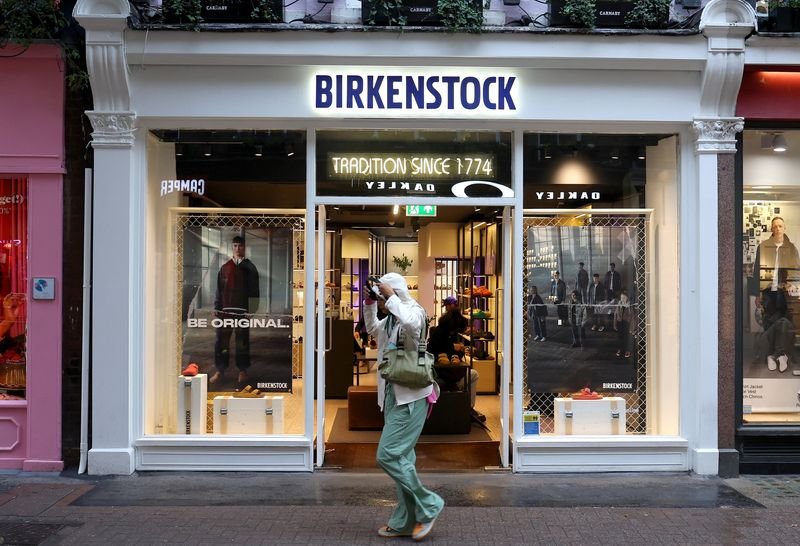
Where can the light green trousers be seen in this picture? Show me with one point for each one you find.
(401, 429)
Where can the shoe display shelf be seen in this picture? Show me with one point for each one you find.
(476, 293)
(444, 282)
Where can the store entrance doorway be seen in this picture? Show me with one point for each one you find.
(452, 264)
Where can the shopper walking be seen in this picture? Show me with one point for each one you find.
(404, 410)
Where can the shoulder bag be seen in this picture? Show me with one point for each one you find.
(412, 369)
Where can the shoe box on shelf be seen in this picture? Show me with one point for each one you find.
(192, 394)
(258, 415)
(590, 417)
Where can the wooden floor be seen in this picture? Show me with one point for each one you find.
(454, 452)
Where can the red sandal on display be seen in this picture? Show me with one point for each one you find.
(191, 370)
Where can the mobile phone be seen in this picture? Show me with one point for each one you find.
(372, 287)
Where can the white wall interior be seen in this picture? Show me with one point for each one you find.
(410, 249)
(160, 356)
(765, 167)
(664, 314)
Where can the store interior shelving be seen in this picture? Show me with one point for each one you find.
(477, 286)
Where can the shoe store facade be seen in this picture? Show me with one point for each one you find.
(767, 413)
(31, 181)
(599, 159)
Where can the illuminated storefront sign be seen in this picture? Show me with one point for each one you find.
(417, 174)
(427, 93)
(410, 166)
(194, 185)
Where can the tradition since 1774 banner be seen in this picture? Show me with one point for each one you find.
(236, 314)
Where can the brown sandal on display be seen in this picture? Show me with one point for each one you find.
(442, 359)
(455, 361)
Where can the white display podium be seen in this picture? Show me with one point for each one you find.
(589, 417)
(262, 415)
(192, 404)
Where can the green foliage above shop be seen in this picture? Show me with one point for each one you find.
(460, 15)
(648, 14)
(24, 22)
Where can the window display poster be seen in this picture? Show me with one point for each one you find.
(771, 369)
(236, 312)
(13, 286)
(581, 327)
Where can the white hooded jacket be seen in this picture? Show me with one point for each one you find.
(409, 315)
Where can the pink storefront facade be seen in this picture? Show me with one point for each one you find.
(31, 211)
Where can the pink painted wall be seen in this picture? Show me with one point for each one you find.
(32, 110)
(32, 145)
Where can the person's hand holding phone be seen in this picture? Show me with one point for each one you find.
(371, 291)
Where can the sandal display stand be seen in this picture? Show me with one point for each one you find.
(261, 415)
(594, 417)
(192, 396)
(477, 289)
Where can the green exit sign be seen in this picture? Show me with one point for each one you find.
(420, 210)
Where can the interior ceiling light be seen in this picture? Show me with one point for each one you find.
(641, 154)
(207, 151)
(547, 154)
(779, 143)
(179, 150)
(614, 154)
(396, 210)
(259, 152)
(289, 149)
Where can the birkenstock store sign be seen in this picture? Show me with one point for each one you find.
(433, 92)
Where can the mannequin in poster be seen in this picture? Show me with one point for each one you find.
(613, 281)
(775, 343)
(577, 319)
(597, 296)
(237, 295)
(582, 281)
(774, 253)
(558, 294)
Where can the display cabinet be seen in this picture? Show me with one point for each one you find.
(477, 285)
(444, 282)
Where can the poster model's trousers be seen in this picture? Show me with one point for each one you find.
(222, 346)
(401, 429)
(777, 340)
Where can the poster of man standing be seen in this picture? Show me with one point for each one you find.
(237, 306)
(581, 343)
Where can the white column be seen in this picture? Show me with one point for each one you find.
(111, 447)
(116, 331)
(725, 24)
(700, 285)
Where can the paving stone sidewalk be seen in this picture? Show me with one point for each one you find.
(347, 508)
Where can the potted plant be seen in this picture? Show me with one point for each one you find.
(648, 14)
(384, 12)
(460, 15)
(784, 15)
(194, 12)
(402, 263)
(577, 13)
(590, 13)
(454, 14)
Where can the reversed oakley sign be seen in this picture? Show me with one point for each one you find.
(395, 92)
